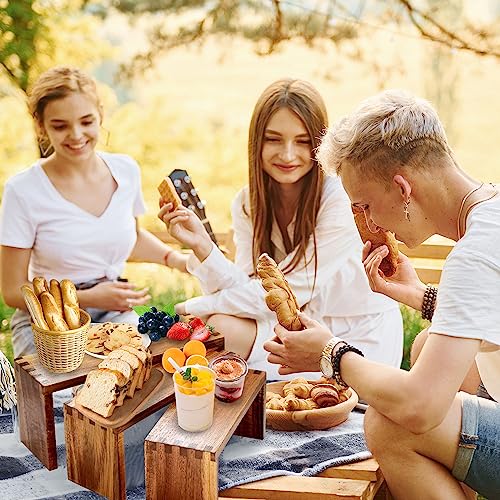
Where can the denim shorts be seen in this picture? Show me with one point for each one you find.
(478, 456)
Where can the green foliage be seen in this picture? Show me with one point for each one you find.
(413, 324)
(20, 26)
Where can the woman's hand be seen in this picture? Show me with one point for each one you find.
(185, 226)
(114, 296)
(298, 351)
(403, 286)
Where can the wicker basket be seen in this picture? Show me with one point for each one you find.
(62, 352)
(303, 420)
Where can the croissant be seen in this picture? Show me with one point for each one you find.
(280, 297)
(271, 395)
(300, 389)
(389, 263)
(276, 404)
(293, 404)
(325, 395)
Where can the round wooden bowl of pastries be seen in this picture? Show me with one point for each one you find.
(301, 404)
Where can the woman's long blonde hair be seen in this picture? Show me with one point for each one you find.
(305, 101)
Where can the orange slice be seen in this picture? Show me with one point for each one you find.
(197, 359)
(194, 347)
(176, 354)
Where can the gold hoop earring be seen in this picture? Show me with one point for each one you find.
(108, 134)
(406, 204)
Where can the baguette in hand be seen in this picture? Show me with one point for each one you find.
(279, 297)
(389, 263)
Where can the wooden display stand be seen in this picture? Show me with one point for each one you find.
(35, 386)
(357, 481)
(182, 464)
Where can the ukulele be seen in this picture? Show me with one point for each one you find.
(190, 199)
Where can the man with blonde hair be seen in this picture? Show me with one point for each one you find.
(397, 167)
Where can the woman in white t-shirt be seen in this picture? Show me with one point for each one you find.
(74, 214)
(396, 165)
(301, 219)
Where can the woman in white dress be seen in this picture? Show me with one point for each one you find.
(300, 218)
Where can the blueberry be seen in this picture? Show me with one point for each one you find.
(154, 336)
(168, 321)
(148, 315)
(142, 328)
(154, 310)
(151, 324)
(177, 318)
(162, 329)
(162, 314)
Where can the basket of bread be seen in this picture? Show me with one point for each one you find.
(302, 404)
(59, 325)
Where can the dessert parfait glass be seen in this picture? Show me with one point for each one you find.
(194, 398)
(230, 372)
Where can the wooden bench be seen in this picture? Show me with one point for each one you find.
(427, 258)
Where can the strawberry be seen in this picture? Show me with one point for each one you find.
(202, 333)
(196, 323)
(179, 331)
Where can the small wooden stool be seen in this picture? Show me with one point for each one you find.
(182, 464)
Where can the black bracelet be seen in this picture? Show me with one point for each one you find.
(429, 302)
(336, 361)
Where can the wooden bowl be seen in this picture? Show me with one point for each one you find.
(305, 420)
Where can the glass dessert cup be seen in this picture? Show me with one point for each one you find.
(230, 372)
(194, 398)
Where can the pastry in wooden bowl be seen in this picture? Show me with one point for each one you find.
(285, 409)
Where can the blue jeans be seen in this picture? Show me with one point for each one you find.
(478, 456)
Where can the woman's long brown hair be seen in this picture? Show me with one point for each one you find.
(305, 101)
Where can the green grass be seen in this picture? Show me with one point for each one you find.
(413, 324)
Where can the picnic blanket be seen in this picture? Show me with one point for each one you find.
(23, 477)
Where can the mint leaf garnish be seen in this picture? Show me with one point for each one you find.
(140, 310)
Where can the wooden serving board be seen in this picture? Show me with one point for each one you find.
(158, 381)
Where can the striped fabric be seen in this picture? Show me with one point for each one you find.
(23, 477)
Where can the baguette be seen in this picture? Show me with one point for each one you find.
(53, 316)
(168, 193)
(70, 304)
(55, 291)
(34, 307)
(279, 297)
(40, 285)
(389, 263)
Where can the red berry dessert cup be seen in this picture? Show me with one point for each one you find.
(230, 372)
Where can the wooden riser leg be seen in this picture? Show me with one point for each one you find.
(36, 418)
(173, 473)
(95, 455)
(253, 424)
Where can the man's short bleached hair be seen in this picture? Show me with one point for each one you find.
(390, 129)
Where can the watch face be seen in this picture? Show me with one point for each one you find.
(326, 367)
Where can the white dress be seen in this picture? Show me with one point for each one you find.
(341, 299)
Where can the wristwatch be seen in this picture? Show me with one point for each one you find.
(325, 362)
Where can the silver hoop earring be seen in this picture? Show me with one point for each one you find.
(405, 208)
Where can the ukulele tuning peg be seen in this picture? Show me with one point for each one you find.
(191, 207)
(184, 196)
(177, 182)
(200, 204)
(187, 179)
(193, 192)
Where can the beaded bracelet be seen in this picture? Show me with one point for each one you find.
(429, 302)
(336, 361)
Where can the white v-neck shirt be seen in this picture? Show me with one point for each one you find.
(67, 241)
